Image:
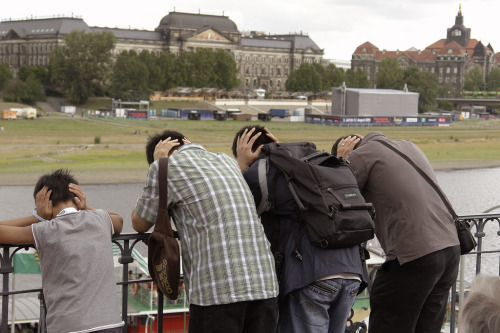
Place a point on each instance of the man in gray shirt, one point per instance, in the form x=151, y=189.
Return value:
x=415, y=229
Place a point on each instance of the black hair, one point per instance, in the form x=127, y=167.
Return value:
x=58, y=182
x=262, y=139
x=336, y=144
x=154, y=139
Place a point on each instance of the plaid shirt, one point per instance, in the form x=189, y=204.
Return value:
x=225, y=253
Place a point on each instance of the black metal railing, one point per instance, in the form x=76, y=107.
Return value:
x=127, y=242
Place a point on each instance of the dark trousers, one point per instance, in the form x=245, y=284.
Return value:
x=412, y=298
x=242, y=317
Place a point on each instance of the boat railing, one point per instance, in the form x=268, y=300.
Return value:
x=482, y=225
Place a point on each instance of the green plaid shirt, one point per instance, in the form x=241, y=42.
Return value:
x=225, y=253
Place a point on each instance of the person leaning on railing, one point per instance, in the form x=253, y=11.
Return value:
x=74, y=245
x=480, y=312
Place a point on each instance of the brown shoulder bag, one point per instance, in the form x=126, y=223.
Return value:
x=163, y=248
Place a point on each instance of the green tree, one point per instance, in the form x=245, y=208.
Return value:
x=357, y=79
x=389, y=75
x=156, y=76
x=425, y=83
x=494, y=80
x=335, y=76
x=39, y=73
x=5, y=74
x=130, y=77
x=167, y=66
x=308, y=77
x=81, y=67
x=20, y=91
x=226, y=71
x=474, y=80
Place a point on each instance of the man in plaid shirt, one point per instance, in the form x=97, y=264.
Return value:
x=228, y=267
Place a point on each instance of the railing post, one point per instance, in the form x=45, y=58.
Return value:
x=159, y=315
x=125, y=259
x=5, y=269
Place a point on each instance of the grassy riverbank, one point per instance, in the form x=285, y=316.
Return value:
x=108, y=151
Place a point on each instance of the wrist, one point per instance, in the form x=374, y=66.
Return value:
x=38, y=217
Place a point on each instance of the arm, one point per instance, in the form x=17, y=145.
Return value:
x=81, y=203
x=140, y=224
x=43, y=207
x=16, y=235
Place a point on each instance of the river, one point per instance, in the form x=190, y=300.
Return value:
x=470, y=191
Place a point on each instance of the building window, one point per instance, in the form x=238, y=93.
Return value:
x=255, y=58
x=263, y=71
x=247, y=58
x=254, y=83
x=247, y=70
x=455, y=70
x=278, y=71
x=286, y=71
x=448, y=70
x=271, y=70
x=255, y=69
x=279, y=84
x=271, y=59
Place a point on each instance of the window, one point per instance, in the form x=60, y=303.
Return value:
x=271, y=59
x=279, y=83
x=247, y=70
x=448, y=70
x=286, y=71
x=255, y=69
x=271, y=70
x=278, y=71
x=255, y=58
x=263, y=71
x=455, y=70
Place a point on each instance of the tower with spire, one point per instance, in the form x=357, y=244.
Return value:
x=459, y=33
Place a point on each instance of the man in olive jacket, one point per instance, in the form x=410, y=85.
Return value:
x=415, y=229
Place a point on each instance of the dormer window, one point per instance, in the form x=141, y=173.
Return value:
x=456, y=32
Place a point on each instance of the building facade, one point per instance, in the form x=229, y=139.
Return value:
x=264, y=61
x=449, y=58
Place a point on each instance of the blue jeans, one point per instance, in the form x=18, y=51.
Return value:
x=320, y=307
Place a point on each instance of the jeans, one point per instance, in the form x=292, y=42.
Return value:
x=320, y=307
x=412, y=298
x=259, y=316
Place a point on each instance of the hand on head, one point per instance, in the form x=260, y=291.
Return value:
x=43, y=203
x=347, y=145
x=163, y=147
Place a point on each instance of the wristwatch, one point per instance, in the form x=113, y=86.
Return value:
x=38, y=217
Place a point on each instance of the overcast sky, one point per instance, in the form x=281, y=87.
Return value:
x=336, y=26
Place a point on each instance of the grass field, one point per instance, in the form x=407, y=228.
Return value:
x=108, y=151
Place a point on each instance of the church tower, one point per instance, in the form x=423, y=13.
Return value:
x=458, y=33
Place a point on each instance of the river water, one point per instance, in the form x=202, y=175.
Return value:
x=470, y=191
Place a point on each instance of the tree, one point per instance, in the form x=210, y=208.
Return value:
x=357, y=79
x=129, y=80
x=39, y=73
x=474, y=80
x=81, y=67
x=425, y=83
x=494, y=79
x=335, y=76
x=389, y=75
x=226, y=71
x=20, y=91
x=5, y=74
x=308, y=77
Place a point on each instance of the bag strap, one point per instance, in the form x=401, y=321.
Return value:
x=425, y=176
x=162, y=223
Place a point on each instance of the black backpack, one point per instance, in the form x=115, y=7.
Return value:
x=329, y=203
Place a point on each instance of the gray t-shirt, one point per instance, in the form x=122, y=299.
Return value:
x=76, y=263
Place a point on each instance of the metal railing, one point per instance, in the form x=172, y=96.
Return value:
x=127, y=242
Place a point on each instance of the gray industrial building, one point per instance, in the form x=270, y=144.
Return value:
x=373, y=102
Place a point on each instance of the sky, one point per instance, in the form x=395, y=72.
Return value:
x=338, y=27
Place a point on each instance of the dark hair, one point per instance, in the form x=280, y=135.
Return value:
x=154, y=139
x=336, y=144
x=262, y=139
x=58, y=182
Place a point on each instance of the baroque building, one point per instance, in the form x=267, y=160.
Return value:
x=449, y=58
x=264, y=61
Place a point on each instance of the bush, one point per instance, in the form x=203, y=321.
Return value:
x=97, y=140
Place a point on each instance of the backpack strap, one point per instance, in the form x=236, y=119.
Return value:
x=262, y=174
